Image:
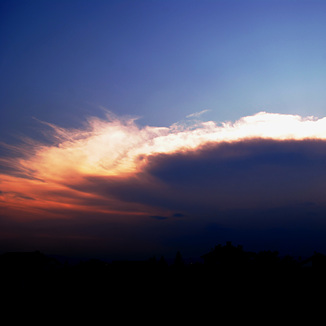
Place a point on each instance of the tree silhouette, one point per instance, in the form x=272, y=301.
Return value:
x=178, y=261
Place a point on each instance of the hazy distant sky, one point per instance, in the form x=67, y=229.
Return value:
x=134, y=126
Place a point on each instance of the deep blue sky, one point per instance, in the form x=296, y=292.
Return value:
x=60, y=61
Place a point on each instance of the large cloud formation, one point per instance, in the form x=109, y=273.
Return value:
x=116, y=185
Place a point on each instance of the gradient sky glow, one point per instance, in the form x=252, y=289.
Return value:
x=138, y=128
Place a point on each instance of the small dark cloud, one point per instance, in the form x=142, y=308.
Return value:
x=309, y=204
x=178, y=215
x=25, y=197
x=158, y=217
x=16, y=195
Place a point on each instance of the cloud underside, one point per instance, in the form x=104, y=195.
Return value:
x=115, y=173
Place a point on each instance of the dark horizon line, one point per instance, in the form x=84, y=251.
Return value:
x=77, y=259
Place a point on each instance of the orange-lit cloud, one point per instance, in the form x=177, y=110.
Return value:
x=115, y=146
x=48, y=176
x=115, y=172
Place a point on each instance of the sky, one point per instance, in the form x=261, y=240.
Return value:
x=137, y=128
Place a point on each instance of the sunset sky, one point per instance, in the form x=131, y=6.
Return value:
x=137, y=128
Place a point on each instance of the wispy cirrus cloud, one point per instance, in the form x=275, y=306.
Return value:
x=197, y=114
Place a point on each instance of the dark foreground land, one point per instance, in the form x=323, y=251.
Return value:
x=228, y=286
x=223, y=268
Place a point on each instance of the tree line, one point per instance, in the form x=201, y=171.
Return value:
x=222, y=266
